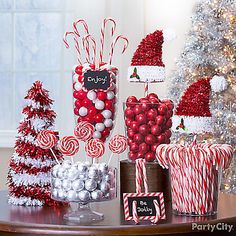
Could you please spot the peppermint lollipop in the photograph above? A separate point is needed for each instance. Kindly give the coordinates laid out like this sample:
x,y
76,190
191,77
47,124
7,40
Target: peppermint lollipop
x,y
84,130
69,145
118,144
94,148
47,139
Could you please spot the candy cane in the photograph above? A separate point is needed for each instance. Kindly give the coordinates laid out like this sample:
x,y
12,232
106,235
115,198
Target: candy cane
x,y
76,45
114,44
135,214
86,39
103,35
144,175
84,25
158,213
138,178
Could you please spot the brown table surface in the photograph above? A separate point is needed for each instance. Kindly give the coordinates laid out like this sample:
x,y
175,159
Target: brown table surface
x,y
19,220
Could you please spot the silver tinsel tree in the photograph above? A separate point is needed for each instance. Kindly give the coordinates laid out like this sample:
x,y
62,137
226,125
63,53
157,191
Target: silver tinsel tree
x,y
210,50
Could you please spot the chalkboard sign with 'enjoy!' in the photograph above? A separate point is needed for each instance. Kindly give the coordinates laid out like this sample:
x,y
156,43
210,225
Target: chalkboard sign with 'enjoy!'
x,y
145,205
97,79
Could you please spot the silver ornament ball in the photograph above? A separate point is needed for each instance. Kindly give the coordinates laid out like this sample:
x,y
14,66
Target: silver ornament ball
x,y
84,196
78,185
66,184
90,184
97,195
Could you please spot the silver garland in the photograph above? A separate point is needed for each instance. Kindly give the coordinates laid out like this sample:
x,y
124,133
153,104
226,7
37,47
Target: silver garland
x,y
208,51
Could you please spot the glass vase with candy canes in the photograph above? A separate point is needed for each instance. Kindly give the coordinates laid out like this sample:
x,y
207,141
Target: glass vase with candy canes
x,y
95,80
83,182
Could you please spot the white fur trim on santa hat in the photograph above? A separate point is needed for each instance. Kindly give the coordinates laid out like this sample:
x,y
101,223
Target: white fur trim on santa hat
x,y
193,124
147,74
218,84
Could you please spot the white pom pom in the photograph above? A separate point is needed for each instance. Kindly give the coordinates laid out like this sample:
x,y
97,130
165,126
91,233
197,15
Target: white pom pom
x,y
169,35
218,84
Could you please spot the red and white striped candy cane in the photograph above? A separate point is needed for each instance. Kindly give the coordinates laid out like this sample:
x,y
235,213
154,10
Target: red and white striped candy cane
x,y
134,211
105,21
81,21
146,89
158,213
76,45
138,176
145,180
86,40
114,44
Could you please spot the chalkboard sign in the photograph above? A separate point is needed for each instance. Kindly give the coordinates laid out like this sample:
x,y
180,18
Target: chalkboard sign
x,y
145,205
97,79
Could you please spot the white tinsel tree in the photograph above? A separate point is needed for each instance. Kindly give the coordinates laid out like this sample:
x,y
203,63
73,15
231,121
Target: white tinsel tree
x,y
210,50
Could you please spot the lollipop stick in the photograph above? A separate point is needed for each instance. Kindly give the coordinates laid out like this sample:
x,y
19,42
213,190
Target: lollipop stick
x,y
110,158
54,156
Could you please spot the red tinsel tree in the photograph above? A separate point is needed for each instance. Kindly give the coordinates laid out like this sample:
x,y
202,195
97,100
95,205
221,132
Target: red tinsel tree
x,y
30,166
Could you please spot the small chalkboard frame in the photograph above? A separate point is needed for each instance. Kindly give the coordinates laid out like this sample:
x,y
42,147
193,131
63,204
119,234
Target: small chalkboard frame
x,y
90,70
130,197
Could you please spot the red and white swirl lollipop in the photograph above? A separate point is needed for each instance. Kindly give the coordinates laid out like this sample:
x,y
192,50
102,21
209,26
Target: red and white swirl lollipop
x,y
68,145
118,144
84,130
46,139
94,148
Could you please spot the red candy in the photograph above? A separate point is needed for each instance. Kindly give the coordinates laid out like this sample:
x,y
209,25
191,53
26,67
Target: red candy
x,y
101,96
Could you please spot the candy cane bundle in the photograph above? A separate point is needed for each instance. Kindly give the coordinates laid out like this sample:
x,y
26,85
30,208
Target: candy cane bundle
x,y
94,80
194,171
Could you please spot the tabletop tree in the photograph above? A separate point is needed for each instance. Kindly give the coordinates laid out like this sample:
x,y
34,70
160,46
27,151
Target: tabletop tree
x,y
29,170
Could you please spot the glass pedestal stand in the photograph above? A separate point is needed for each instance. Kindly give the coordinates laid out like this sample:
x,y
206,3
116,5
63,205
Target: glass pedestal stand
x,y
83,215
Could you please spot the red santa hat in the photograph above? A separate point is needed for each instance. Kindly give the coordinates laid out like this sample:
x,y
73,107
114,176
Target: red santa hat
x,y
192,114
147,64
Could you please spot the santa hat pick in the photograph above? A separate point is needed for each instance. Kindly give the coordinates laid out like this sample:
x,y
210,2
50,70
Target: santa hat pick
x,y
192,114
147,65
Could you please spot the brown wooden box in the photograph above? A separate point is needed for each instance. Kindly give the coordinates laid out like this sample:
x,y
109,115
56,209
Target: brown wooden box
x,y
158,179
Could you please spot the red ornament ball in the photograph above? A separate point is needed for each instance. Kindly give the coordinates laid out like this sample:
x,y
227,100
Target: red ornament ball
x,y
141,119
160,120
144,129
130,133
134,147
162,109
138,109
156,129
154,147
132,156
150,157
128,122
152,114
143,148
161,138
138,138
134,126
150,139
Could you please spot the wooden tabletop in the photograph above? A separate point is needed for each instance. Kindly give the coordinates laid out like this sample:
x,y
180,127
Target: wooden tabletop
x,y
16,220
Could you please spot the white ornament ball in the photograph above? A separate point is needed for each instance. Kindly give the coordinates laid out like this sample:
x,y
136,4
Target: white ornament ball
x,y
110,95
90,184
91,95
84,195
66,164
78,185
82,168
55,193
108,122
100,127
56,183
61,194
105,187
96,195
66,184
97,134
71,195
93,173
77,86
83,111
72,174
61,173
107,114
99,105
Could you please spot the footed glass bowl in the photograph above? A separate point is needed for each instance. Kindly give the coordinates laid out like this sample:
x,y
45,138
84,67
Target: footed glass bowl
x,y
83,183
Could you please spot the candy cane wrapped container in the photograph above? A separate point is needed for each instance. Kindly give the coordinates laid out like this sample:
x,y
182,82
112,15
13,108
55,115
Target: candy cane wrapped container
x,y
195,172
95,81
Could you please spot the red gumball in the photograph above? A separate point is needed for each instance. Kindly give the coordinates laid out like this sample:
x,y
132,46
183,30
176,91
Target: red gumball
x,y
152,114
144,129
130,141
150,157
138,109
80,78
87,102
90,119
145,104
169,114
129,113
152,95
101,96
161,138
78,70
169,124
92,111
154,147
169,104
160,120
131,101
130,133
76,111
167,141
81,94
143,148
156,130
108,104
78,103
162,109
134,147
99,118
141,119
151,123
105,132
138,138
140,155
150,139
134,126
168,133
128,122
132,156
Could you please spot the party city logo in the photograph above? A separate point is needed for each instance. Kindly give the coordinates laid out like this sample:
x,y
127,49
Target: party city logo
x,y
212,227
